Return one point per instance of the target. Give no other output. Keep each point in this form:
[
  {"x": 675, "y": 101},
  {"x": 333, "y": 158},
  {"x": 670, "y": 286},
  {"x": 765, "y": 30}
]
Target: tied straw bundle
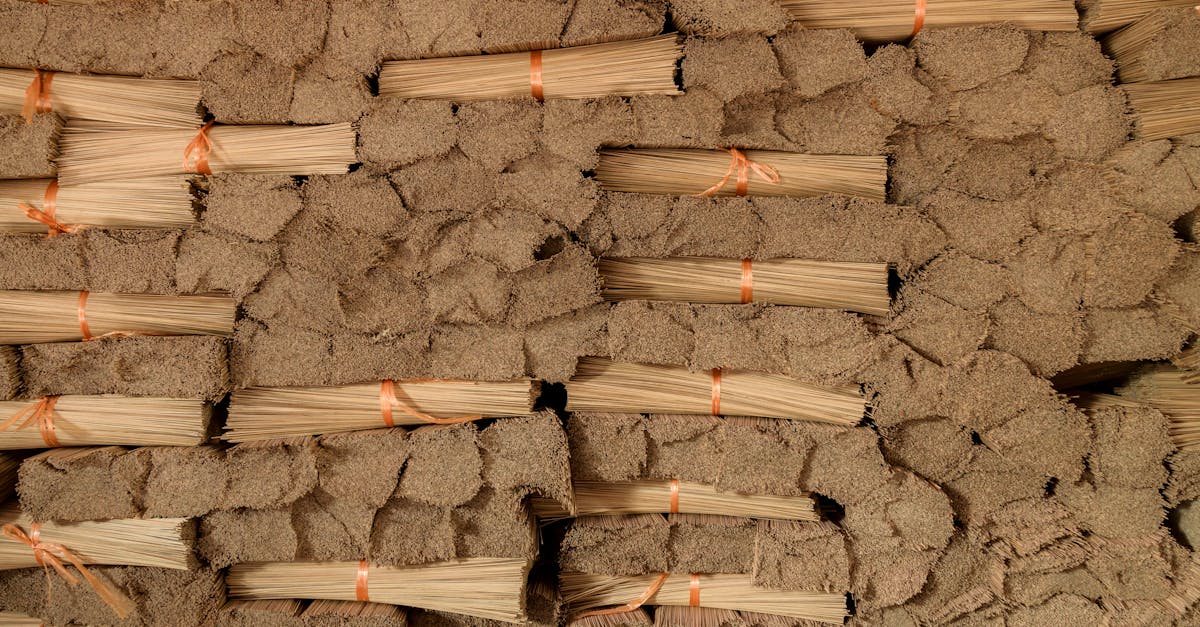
[
  {"x": 896, "y": 20},
  {"x": 109, "y": 99},
  {"x": 861, "y": 287},
  {"x": 1168, "y": 390},
  {"x": 1102, "y": 16},
  {"x": 594, "y": 498},
  {"x": 31, "y": 317},
  {"x": 1136, "y": 45},
  {"x": 621, "y": 68},
  {"x": 484, "y": 587},
  {"x": 601, "y": 385},
  {"x": 36, "y": 206},
  {"x": 17, "y": 619},
  {"x": 106, "y": 419},
  {"x": 585, "y": 591},
  {"x": 266, "y": 413},
  {"x": 732, "y": 172},
  {"x": 346, "y": 611},
  {"x": 89, "y": 154},
  {"x": 1165, "y": 109}
]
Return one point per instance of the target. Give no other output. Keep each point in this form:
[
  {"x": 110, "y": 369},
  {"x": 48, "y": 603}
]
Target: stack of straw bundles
[
  {"x": 91, "y": 154},
  {"x": 1102, "y": 16},
  {"x": 594, "y": 498},
  {"x": 861, "y": 287},
  {"x": 586, "y": 591},
  {"x": 621, "y": 68},
  {"x": 1168, "y": 390},
  {"x": 1156, "y": 47},
  {"x": 106, "y": 99},
  {"x": 158, "y": 542},
  {"x": 103, "y": 420},
  {"x": 267, "y": 413},
  {"x": 31, "y": 317},
  {"x": 484, "y": 587},
  {"x": 690, "y": 172},
  {"x": 1166, "y": 108},
  {"x": 896, "y": 20},
  {"x": 160, "y": 202},
  {"x": 601, "y": 385}
]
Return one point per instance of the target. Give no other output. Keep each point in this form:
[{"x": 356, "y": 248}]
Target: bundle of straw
[
  {"x": 620, "y": 68},
  {"x": 9, "y": 465},
  {"x": 685, "y": 171},
  {"x": 600, "y": 385},
  {"x": 585, "y": 591},
  {"x": 159, "y": 202},
  {"x": 103, "y": 420},
  {"x": 90, "y": 154},
  {"x": 159, "y": 542},
  {"x": 265, "y": 413},
  {"x": 347, "y": 611},
  {"x": 632, "y": 618},
  {"x": 30, "y": 317},
  {"x": 484, "y": 587},
  {"x": 1167, "y": 389},
  {"x": 861, "y": 287},
  {"x": 1102, "y": 16},
  {"x": 17, "y": 619},
  {"x": 1189, "y": 361},
  {"x": 684, "y": 616},
  {"x": 252, "y": 611},
  {"x": 594, "y": 498},
  {"x": 896, "y": 20},
  {"x": 111, "y": 99},
  {"x": 1140, "y": 43},
  {"x": 1165, "y": 109}
]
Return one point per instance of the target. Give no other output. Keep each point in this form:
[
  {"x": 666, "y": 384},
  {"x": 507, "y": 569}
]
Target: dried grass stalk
[
  {"x": 111, "y": 99},
  {"x": 861, "y": 287},
  {"x": 601, "y": 385},
  {"x": 632, "y": 618},
  {"x": 345, "y": 611},
  {"x": 683, "y": 616},
  {"x": 620, "y": 68},
  {"x": 264, "y": 413},
  {"x": 31, "y": 317},
  {"x": 1165, "y": 109},
  {"x": 688, "y": 172},
  {"x": 1166, "y": 389},
  {"x": 254, "y": 609},
  {"x": 159, "y": 202},
  {"x": 484, "y": 587},
  {"x": 158, "y": 542},
  {"x": 896, "y": 20},
  {"x": 595, "y": 498},
  {"x": 1102, "y": 16},
  {"x": 109, "y": 419},
  {"x": 585, "y": 591},
  {"x": 89, "y": 154}
]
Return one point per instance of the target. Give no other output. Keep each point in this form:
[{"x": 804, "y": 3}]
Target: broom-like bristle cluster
[
  {"x": 632, "y": 618},
  {"x": 491, "y": 588},
  {"x": 1165, "y": 109},
  {"x": 620, "y": 68},
  {"x": 158, "y": 542},
  {"x": 896, "y": 20},
  {"x": 684, "y": 616},
  {"x": 109, "y": 99},
  {"x": 595, "y": 498},
  {"x": 346, "y": 610},
  {"x": 264, "y": 413},
  {"x": 1167, "y": 389},
  {"x": 861, "y": 287},
  {"x": 1189, "y": 361},
  {"x": 601, "y": 385},
  {"x": 690, "y": 172},
  {"x": 1127, "y": 46},
  {"x": 1102, "y": 16},
  {"x": 113, "y": 420},
  {"x": 31, "y": 317},
  {"x": 160, "y": 202}
]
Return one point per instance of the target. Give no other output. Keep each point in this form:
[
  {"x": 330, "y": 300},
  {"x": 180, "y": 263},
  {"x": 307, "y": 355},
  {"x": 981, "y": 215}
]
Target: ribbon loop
[
  {"x": 388, "y": 399},
  {"x": 360, "y": 582},
  {"x": 37, "y": 95},
  {"x": 641, "y": 600},
  {"x": 674, "y": 496},
  {"x": 195, "y": 154},
  {"x": 742, "y": 166},
  {"x": 535, "y": 76},
  {"x": 52, "y": 555},
  {"x": 747, "y": 281},
  {"x": 694, "y": 591},
  {"x": 716, "y": 391},
  {"x": 43, "y": 413}
]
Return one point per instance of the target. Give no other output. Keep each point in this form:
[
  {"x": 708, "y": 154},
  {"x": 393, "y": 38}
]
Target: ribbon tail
[{"x": 32, "y": 94}]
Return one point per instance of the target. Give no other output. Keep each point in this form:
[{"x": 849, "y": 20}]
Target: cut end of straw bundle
[
  {"x": 41, "y": 205},
  {"x": 1102, "y": 16},
  {"x": 1156, "y": 47},
  {"x": 896, "y": 20},
  {"x": 1165, "y": 109},
  {"x": 1168, "y": 390},
  {"x": 31, "y": 317},
  {"x": 103, "y": 420},
  {"x": 593, "y": 498}
]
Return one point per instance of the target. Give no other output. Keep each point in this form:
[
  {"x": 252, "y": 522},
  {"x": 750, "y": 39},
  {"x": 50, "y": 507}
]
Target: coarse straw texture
[
  {"x": 17, "y": 619},
  {"x": 158, "y": 542},
  {"x": 113, "y": 99},
  {"x": 601, "y": 385},
  {"x": 266, "y": 412},
  {"x": 595, "y": 498},
  {"x": 1128, "y": 45},
  {"x": 158, "y": 202},
  {"x": 31, "y": 317},
  {"x": 110, "y": 419},
  {"x": 249, "y": 607},
  {"x": 585, "y": 591},
  {"x": 89, "y": 153},
  {"x": 346, "y": 610},
  {"x": 896, "y": 20},
  {"x": 684, "y": 616},
  {"x": 1165, "y": 109},
  {"x": 1166, "y": 389},
  {"x": 10, "y": 464},
  {"x": 484, "y": 587},
  {"x": 621, "y": 68},
  {"x": 861, "y": 287},
  {"x": 1189, "y": 361},
  {"x": 1102, "y": 16},
  {"x": 632, "y": 618},
  {"x": 691, "y": 172}
]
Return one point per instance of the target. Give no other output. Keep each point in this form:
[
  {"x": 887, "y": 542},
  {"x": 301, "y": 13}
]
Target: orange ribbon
[
  {"x": 195, "y": 154},
  {"x": 42, "y": 412},
  {"x": 388, "y": 400},
  {"x": 51, "y": 555},
  {"x": 747, "y": 281},
  {"x": 674, "y": 496},
  {"x": 716, "y": 391},
  {"x": 919, "y": 20},
  {"x": 360, "y": 582},
  {"x": 45, "y": 215},
  {"x": 742, "y": 166},
  {"x": 535, "y": 75},
  {"x": 37, "y": 95},
  {"x": 83, "y": 325},
  {"x": 694, "y": 591},
  {"x": 649, "y": 592}
]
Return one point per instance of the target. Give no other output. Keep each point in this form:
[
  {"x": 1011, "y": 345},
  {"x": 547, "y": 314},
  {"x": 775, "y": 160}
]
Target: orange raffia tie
[
  {"x": 919, "y": 18},
  {"x": 37, "y": 95},
  {"x": 716, "y": 391},
  {"x": 641, "y": 600},
  {"x": 42, "y": 412},
  {"x": 195, "y": 154},
  {"x": 742, "y": 166},
  {"x": 747, "y": 281},
  {"x": 694, "y": 591},
  {"x": 674, "y": 496},
  {"x": 86, "y": 332},
  {"x": 45, "y": 215},
  {"x": 360, "y": 582},
  {"x": 52, "y": 555},
  {"x": 535, "y": 76},
  {"x": 388, "y": 400}
]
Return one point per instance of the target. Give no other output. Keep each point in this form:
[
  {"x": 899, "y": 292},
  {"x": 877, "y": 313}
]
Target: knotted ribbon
[
  {"x": 52, "y": 555},
  {"x": 742, "y": 166},
  {"x": 42, "y": 412},
  {"x": 45, "y": 215},
  {"x": 646, "y": 595},
  {"x": 388, "y": 400},
  {"x": 195, "y": 154}
]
